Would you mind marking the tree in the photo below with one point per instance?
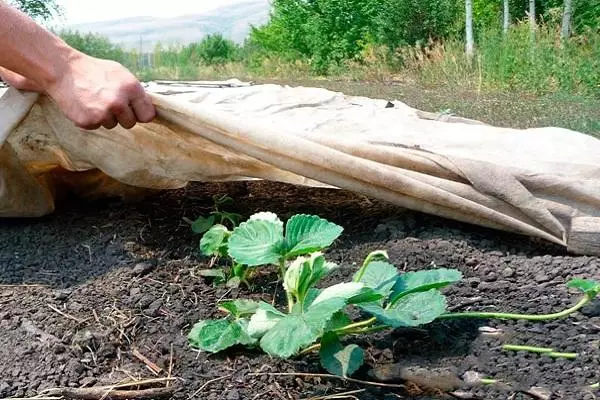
(215, 49)
(532, 18)
(94, 45)
(566, 20)
(42, 10)
(470, 46)
(506, 15)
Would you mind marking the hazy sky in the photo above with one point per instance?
(77, 11)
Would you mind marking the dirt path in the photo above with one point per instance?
(116, 278)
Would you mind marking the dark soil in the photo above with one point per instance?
(84, 287)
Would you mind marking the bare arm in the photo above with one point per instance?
(90, 91)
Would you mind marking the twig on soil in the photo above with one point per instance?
(149, 364)
(98, 393)
(329, 376)
(170, 374)
(64, 314)
(31, 398)
(115, 392)
(95, 314)
(343, 395)
(208, 383)
(23, 286)
(464, 396)
(536, 393)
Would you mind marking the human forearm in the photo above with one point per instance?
(91, 92)
(31, 51)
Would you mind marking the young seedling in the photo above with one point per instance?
(314, 314)
(218, 216)
(316, 318)
(261, 241)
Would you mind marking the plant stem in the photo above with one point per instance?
(515, 347)
(528, 317)
(361, 331)
(355, 325)
(485, 381)
(366, 263)
(345, 331)
(541, 350)
(307, 350)
(290, 297)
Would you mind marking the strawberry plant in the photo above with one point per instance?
(317, 318)
(218, 216)
(263, 240)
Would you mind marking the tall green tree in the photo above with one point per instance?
(94, 45)
(41, 10)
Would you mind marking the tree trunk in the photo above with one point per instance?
(566, 22)
(470, 46)
(532, 18)
(506, 16)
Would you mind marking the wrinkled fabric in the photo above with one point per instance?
(541, 182)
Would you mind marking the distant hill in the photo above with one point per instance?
(231, 21)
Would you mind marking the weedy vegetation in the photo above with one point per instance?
(318, 318)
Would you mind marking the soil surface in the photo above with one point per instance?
(91, 291)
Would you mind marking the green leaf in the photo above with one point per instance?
(239, 270)
(234, 282)
(214, 242)
(239, 308)
(265, 318)
(256, 242)
(338, 321)
(233, 218)
(306, 234)
(297, 331)
(311, 295)
(304, 272)
(319, 269)
(267, 216)
(422, 281)
(296, 276)
(380, 276)
(344, 291)
(339, 360)
(212, 273)
(202, 224)
(367, 295)
(412, 310)
(222, 200)
(217, 335)
(587, 286)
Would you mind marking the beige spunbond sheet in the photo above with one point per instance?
(539, 182)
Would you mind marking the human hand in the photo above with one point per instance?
(93, 92)
(18, 81)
